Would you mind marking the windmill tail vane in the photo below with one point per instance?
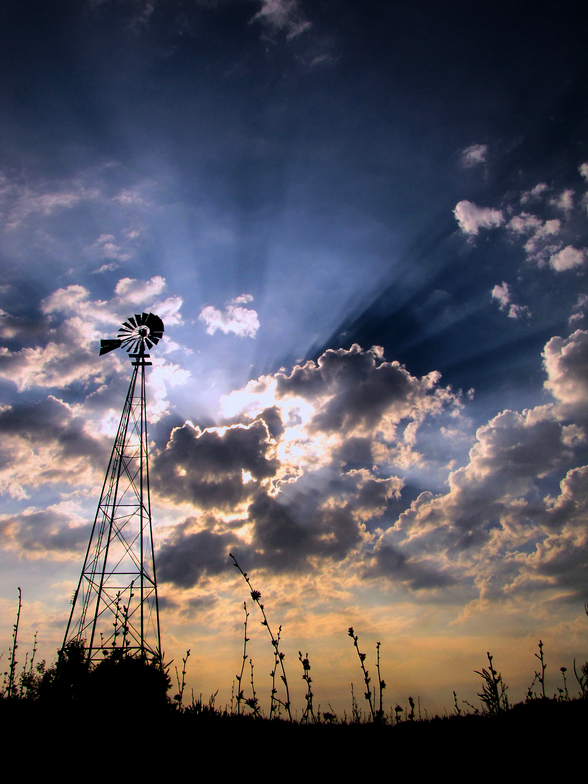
(119, 566)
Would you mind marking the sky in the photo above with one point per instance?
(365, 227)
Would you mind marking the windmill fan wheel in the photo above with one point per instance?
(137, 333)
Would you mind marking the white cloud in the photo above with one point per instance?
(134, 292)
(107, 247)
(283, 15)
(567, 259)
(502, 294)
(516, 311)
(541, 242)
(106, 268)
(583, 169)
(566, 363)
(168, 311)
(309, 458)
(525, 223)
(578, 310)
(493, 528)
(241, 321)
(24, 200)
(46, 443)
(474, 155)
(534, 194)
(472, 218)
(162, 376)
(565, 200)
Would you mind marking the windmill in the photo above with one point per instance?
(115, 604)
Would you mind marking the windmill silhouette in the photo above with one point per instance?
(115, 605)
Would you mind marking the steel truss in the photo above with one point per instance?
(115, 605)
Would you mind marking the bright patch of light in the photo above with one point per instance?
(251, 400)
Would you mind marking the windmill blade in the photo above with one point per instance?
(108, 345)
(155, 325)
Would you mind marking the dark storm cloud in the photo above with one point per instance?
(355, 452)
(16, 328)
(273, 420)
(51, 422)
(286, 536)
(562, 561)
(188, 557)
(374, 494)
(570, 508)
(43, 532)
(387, 561)
(361, 388)
(206, 467)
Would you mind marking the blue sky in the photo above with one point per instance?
(365, 228)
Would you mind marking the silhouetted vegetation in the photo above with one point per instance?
(135, 692)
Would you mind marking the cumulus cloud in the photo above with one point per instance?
(208, 467)
(56, 532)
(22, 200)
(106, 268)
(107, 247)
(389, 562)
(312, 464)
(46, 443)
(546, 239)
(239, 320)
(135, 292)
(565, 200)
(474, 155)
(493, 526)
(289, 535)
(535, 193)
(568, 258)
(63, 360)
(189, 556)
(503, 296)
(541, 240)
(566, 363)
(472, 218)
(578, 309)
(486, 509)
(354, 391)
